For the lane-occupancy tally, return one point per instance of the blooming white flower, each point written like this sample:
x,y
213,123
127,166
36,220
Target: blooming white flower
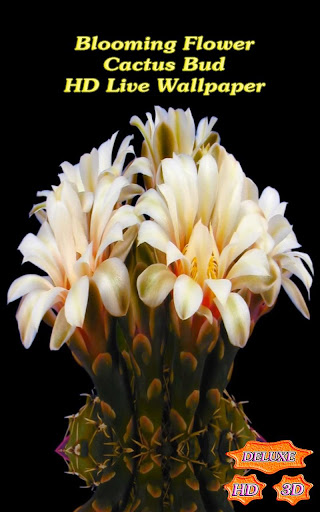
x,y
278,242
204,230
85,235
173,131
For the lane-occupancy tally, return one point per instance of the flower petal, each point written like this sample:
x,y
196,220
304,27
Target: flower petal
x,y
27,330
173,253
306,258
207,187
121,249
76,302
269,201
89,164
26,284
279,228
295,266
270,295
112,279
154,284
31,310
139,165
221,288
61,331
253,263
40,253
228,202
187,296
296,296
153,234
236,318
152,204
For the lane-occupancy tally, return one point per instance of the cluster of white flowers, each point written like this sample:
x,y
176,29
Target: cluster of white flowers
x,y
216,242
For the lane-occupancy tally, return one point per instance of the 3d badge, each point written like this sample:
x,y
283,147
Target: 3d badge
x,y
156,271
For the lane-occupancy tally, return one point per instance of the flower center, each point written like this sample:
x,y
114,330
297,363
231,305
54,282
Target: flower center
x,y
212,269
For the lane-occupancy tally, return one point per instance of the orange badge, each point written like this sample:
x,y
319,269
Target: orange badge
x,y
269,457
245,489
293,489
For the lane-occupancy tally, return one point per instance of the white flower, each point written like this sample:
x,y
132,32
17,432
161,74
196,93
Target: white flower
x,y
204,232
85,235
279,242
173,131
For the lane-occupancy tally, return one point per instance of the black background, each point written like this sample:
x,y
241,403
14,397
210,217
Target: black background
x,y
273,136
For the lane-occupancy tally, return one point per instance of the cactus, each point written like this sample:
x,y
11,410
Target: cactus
x,y
149,469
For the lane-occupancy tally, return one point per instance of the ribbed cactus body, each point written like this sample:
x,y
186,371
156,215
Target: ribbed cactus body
x,y
154,470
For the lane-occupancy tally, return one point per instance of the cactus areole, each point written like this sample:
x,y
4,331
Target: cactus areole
x,y
156,269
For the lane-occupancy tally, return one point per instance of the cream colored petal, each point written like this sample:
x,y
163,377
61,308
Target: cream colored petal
x,y
89,165
124,150
254,262
38,253
84,265
61,332
204,128
31,310
256,284
180,175
295,266
139,165
26,284
271,294
130,191
86,200
182,124
236,318
151,233
169,196
76,302
105,153
152,204
187,296
227,207
78,219
200,246
250,190
121,249
305,257
112,279
207,187
248,231
111,235
173,253
125,216
107,195
269,201
279,228
288,243
154,284
146,133
206,312
295,295
60,220
221,288
37,208
27,330
69,171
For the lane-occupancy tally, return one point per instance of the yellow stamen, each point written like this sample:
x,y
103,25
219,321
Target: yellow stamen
x,y
212,270
194,268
